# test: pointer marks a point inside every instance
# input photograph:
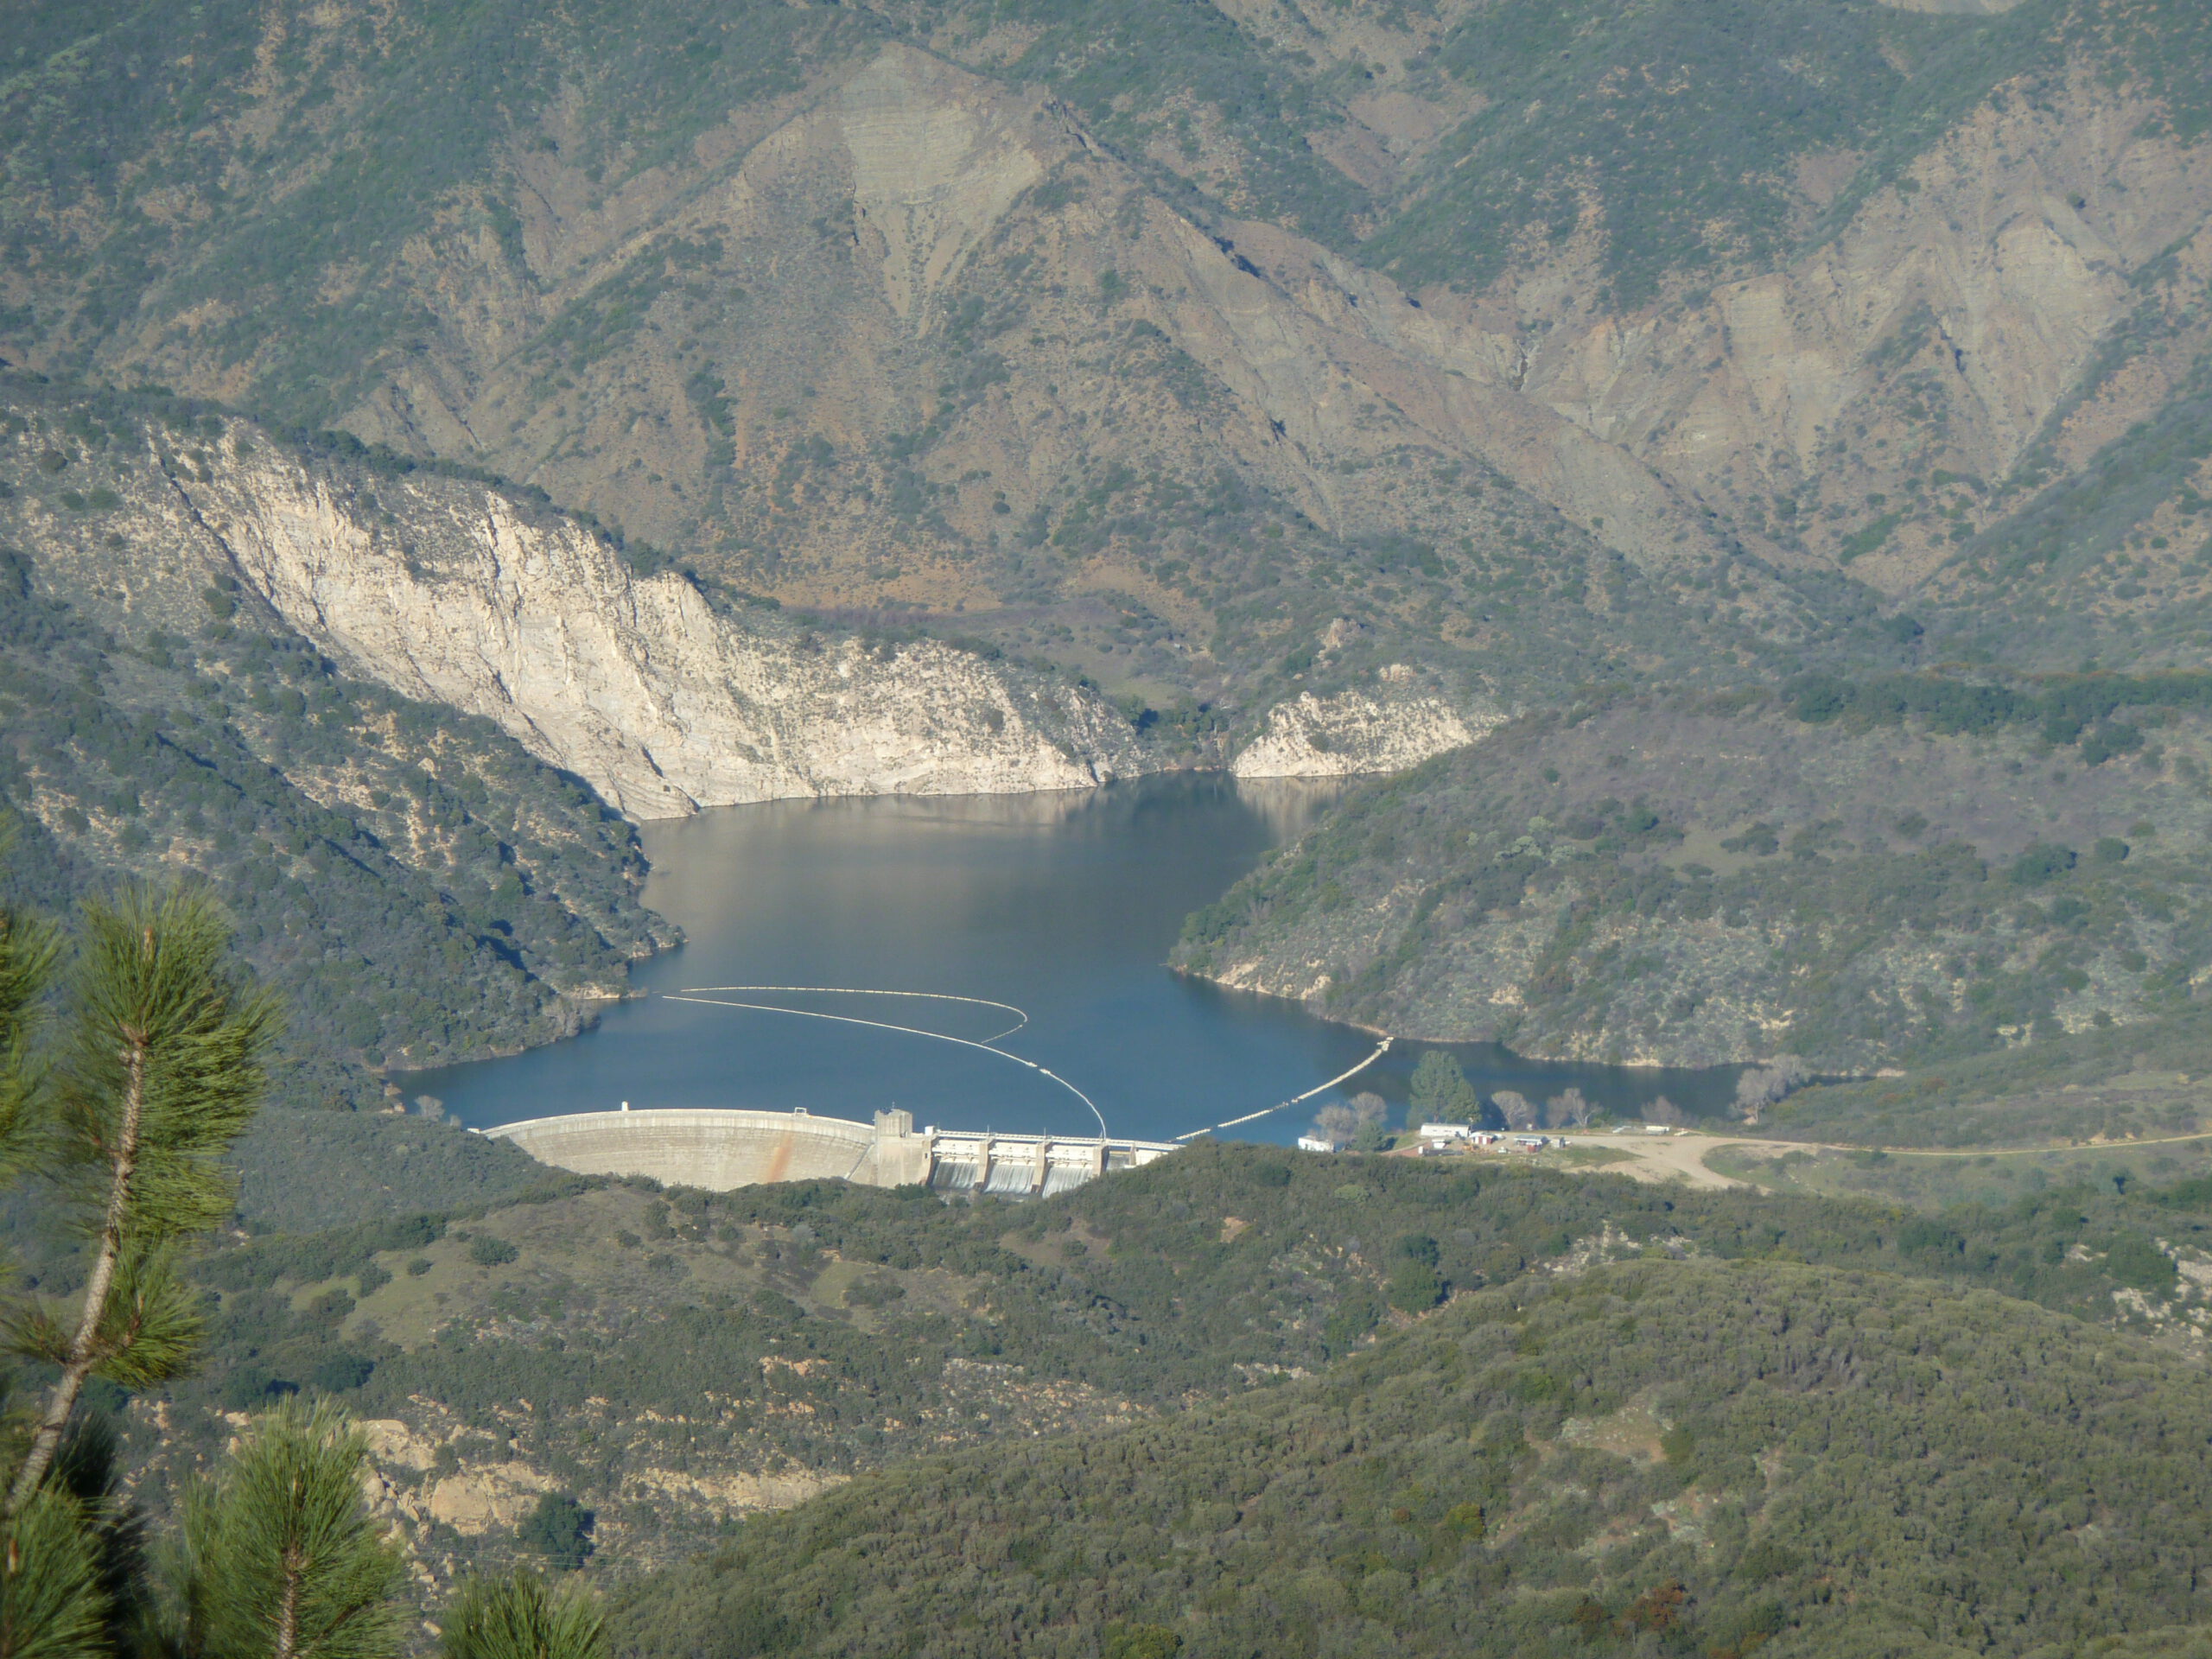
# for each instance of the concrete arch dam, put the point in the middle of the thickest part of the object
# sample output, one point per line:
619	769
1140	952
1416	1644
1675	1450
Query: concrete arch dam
719	1150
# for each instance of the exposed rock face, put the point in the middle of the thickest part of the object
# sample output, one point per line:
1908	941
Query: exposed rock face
1355	732
448	590
904	325
637	684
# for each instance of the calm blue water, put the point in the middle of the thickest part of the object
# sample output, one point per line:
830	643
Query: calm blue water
1062	904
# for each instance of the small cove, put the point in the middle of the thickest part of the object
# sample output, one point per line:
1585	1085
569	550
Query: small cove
1063	905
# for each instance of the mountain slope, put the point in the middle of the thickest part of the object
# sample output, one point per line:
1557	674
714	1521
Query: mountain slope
160	521
1539	345
679	1359
1859	873
1784	1459
421	888
371	703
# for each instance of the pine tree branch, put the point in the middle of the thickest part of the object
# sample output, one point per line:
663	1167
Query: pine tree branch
85	1347
288	1604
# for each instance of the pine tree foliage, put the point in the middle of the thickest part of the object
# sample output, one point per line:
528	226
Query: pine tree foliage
280	1556
166	1062
523	1618
88	1468
162	1071
160	1068
73	1580
54	1604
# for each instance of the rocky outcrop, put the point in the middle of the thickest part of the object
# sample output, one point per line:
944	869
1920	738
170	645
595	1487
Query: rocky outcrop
638	684
1353	732
452	591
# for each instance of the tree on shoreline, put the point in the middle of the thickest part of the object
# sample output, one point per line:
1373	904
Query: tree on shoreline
1441	1093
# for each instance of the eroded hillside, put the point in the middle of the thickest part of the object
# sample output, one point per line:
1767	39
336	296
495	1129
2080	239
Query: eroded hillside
168	525
1531	344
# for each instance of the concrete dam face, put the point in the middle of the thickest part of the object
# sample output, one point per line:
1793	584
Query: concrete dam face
719	1150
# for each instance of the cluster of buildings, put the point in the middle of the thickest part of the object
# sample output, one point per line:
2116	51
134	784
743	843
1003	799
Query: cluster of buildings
1433	1138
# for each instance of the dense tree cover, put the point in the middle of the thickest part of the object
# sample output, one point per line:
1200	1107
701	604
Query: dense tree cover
1646	1458
305	1172
1857	873
2083	710
838	1329
559	1528
427	889
1440	1092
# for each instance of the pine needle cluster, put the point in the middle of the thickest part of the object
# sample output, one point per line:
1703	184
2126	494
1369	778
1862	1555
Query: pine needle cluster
159	1067
522	1616
162	1071
280	1558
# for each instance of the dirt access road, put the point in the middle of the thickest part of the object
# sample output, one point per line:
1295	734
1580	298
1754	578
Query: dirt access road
1681	1157
1665	1157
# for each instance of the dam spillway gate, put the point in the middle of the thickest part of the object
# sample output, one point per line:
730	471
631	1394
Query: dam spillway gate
720	1149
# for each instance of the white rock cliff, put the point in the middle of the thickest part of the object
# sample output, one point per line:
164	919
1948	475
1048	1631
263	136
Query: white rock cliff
1354	732
636	684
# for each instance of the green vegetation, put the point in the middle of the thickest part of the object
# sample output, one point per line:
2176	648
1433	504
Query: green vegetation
1859	873
522	1616
663	1339
159	1071
1992	1179
1141	69
2078	710
1692	113
429	890
2109	1082
2057	578
433	100
1645	1457
1441	1093
283	1531
1645	1447
559	1528
305	1171
1243	1401
124	1118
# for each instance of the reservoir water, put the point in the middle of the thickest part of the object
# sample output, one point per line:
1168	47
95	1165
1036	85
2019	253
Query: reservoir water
1062	906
